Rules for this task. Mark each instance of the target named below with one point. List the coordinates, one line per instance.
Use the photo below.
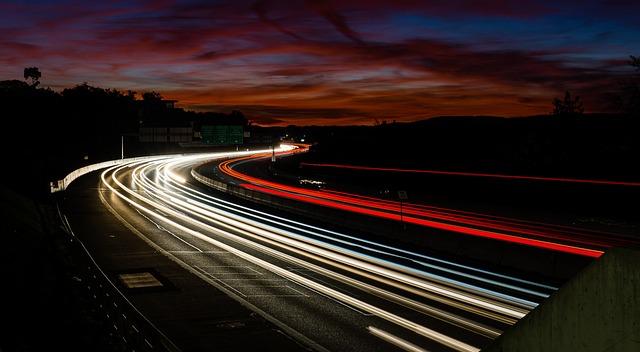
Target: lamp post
(273, 153)
(402, 196)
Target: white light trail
(168, 198)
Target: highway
(326, 289)
(547, 236)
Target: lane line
(296, 335)
(412, 326)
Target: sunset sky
(330, 62)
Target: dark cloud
(323, 60)
(261, 9)
(206, 55)
(326, 9)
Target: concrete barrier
(598, 310)
(263, 198)
(61, 185)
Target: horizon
(367, 122)
(326, 63)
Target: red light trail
(467, 223)
(476, 174)
(433, 224)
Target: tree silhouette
(32, 74)
(629, 97)
(151, 97)
(635, 62)
(568, 106)
(238, 117)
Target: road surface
(565, 239)
(325, 289)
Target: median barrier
(551, 265)
(310, 210)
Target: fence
(305, 209)
(122, 324)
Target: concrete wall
(598, 310)
(61, 185)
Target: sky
(330, 62)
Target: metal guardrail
(263, 198)
(222, 186)
(122, 323)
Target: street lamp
(402, 196)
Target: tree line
(626, 100)
(50, 132)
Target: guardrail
(269, 200)
(503, 255)
(61, 185)
(123, 324)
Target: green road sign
(222, 135)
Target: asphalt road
(196, 315)
(321, 289)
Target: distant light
(301, 139)
(311, 182)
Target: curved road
(327, 290)
(559, 238)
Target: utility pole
(121, 146)
(273, 153)
(402, 196)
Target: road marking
(220, 281)
(310, 274)
(231, 266)
(363, 313)
(297, 291)
(260, 279)
(286, 328)
(199, 252)
(161, 228)
(246, 288)
(341, 296)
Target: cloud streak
(323, 61)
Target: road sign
(402, 195)
(222, 135)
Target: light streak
(434, 224)
(164, 194)
(394, 340)
(465, 224)
(478, 174)
(226, 221)
(424, 331)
